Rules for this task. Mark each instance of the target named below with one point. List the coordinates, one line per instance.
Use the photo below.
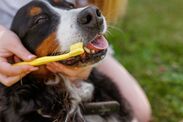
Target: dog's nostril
(98, 12)
(86, 20)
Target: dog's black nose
(91, 18)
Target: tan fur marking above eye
(48, 46)
(35, 10)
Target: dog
(48, 29)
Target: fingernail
(31, 57)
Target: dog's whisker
(108, 33)
(116, 28)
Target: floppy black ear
(20, 23)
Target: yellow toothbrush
(75, 50)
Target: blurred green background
(149, 43)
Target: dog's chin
(95, 51)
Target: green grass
(149, 43)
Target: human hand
(73, 73)
(10, 46)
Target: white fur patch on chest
(84, 90)
(80, 90)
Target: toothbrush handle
(49, 59)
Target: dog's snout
(90, 17)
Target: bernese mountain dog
(48, 28)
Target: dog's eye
(40, 19)
(71, 5)
(66, 4)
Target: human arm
(128, 87)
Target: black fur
(21, 102)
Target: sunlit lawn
(149, 43)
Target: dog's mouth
(95, 50)
(99, 43)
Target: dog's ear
(19, 25)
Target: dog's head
(48, 30)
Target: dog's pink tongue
(98, 44)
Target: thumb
(22, 52)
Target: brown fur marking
(48, 46)
(35, 11)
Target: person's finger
(62, 69)
(21, 51)
(10, 70)
(5, 54)
(73, 73)
(52, 69)
(9, 81)
(56, 69)
(3, 59)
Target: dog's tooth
(87, 50)
(93, 51)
